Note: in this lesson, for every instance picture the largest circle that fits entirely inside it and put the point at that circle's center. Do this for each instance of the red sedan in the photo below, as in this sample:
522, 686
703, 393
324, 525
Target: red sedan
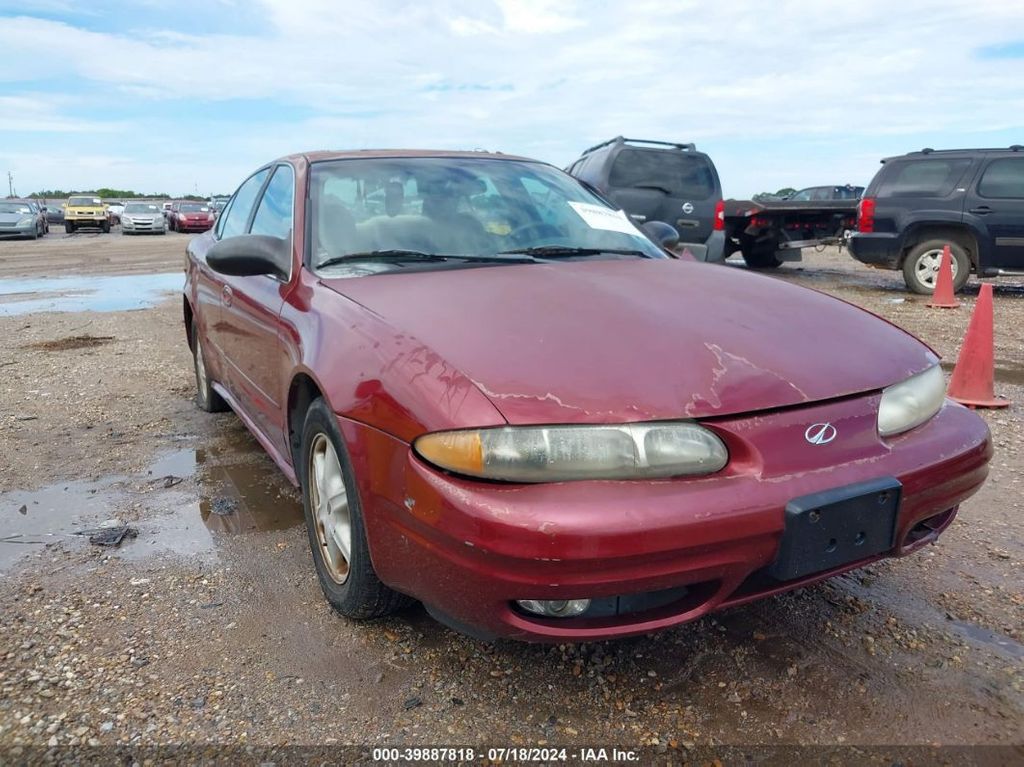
190, 217
500, 398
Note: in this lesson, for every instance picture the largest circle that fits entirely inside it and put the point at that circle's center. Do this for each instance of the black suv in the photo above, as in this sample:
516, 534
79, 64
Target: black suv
660, 181
970, 199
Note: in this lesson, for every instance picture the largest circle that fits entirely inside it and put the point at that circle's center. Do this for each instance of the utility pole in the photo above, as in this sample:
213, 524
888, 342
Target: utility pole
10, 184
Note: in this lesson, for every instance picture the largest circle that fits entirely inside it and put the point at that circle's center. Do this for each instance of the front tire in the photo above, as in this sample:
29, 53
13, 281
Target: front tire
206, 397
106, 227
921, 266
334, 522
69, 228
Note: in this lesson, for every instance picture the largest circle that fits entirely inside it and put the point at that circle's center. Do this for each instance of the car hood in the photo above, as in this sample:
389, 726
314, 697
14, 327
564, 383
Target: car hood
630, 340
13, 218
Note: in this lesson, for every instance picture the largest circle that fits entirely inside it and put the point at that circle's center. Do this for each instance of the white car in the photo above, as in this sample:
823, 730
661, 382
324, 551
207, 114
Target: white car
143, 218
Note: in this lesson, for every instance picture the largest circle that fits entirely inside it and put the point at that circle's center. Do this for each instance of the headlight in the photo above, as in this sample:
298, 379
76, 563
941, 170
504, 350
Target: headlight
561, 453
27, 221
912, 402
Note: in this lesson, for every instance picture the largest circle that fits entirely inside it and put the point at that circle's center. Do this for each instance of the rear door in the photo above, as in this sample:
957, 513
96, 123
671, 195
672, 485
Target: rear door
998, 202
212, 285
674, 186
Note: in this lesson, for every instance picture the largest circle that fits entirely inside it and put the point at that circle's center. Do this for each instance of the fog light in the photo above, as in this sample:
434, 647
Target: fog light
555, 608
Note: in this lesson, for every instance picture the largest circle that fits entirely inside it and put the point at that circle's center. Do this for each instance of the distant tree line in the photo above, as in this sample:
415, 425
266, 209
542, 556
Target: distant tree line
784, 192
117, 194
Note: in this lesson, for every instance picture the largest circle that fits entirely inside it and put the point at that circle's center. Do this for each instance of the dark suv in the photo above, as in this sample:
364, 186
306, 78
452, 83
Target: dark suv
660, 181
970, 199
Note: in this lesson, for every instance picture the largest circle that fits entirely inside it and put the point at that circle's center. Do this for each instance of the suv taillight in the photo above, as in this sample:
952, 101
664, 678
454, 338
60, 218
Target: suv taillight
866, 215
719, 216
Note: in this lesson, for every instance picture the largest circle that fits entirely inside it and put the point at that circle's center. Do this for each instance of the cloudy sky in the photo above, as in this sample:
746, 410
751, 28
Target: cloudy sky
185, 96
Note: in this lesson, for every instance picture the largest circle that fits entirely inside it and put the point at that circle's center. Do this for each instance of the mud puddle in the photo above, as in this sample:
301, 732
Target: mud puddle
87, 293
188, 502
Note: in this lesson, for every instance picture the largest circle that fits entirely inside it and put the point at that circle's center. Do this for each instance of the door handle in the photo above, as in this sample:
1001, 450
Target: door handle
981, 210
226, 295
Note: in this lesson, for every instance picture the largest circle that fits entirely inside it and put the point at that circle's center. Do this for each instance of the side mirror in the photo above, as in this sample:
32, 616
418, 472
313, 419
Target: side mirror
661, 234
251, 254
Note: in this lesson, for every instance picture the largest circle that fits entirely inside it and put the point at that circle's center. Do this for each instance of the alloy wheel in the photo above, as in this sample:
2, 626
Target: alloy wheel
927, 267
329, 503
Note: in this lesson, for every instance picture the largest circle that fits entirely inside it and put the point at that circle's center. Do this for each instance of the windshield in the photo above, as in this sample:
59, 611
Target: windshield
460, 207
14, 207
142, 207
193, 207
84, 202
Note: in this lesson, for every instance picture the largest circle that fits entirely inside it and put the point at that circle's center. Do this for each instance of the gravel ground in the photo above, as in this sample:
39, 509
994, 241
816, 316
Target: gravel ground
209, 627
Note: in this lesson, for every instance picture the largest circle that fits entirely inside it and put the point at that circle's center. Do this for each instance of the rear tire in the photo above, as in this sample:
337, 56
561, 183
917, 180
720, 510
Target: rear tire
921, 266
757, 258
206, 397
334, 520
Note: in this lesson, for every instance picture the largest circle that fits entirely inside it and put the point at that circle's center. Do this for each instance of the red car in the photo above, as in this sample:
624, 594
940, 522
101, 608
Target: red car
190, 217
501, 399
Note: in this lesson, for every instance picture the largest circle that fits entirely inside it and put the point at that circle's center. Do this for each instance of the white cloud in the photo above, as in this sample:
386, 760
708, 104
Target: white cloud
772, 90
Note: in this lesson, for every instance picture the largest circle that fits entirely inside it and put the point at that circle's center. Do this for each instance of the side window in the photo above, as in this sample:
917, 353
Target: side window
923, 178
274, 214
237, 214
586, 168
1003, 179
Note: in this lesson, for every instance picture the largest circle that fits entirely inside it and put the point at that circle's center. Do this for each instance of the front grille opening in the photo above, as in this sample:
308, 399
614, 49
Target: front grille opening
645, 605
928, 528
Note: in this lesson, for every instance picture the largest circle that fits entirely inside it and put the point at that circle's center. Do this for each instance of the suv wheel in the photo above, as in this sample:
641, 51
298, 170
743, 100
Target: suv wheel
921, 266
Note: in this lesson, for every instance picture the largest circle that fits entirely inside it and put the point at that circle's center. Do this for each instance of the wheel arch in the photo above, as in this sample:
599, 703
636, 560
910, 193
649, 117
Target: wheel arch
959, 233
189, 317
302, 392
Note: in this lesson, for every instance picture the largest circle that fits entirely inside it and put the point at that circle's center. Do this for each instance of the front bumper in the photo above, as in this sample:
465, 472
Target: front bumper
468, 549
194, 226
18, 231
98, 221
142, 226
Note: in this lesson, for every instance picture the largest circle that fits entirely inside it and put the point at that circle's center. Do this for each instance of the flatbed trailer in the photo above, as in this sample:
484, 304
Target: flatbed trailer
770, 232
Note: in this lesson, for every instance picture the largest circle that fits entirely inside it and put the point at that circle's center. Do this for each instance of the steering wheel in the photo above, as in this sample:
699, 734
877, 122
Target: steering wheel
536, 228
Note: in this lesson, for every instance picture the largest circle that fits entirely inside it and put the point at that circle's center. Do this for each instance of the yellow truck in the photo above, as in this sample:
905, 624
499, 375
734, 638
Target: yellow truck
85, 210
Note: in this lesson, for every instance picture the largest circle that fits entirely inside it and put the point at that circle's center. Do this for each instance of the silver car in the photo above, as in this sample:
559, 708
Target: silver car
21, 218
143, 218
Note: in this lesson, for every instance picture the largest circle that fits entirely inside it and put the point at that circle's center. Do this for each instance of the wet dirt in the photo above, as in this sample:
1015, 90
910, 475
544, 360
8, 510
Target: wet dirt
173, 504
91, 253
71, 342
210, 627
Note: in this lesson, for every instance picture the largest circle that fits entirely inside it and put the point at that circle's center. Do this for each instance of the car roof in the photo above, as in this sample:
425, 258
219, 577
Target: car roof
928, 151
350, 154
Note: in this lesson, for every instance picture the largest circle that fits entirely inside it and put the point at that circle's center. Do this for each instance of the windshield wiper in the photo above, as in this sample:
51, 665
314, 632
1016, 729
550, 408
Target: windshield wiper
398, 255
549, 251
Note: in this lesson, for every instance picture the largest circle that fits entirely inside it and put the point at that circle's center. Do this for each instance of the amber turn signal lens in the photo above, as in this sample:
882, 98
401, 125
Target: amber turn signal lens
458, 451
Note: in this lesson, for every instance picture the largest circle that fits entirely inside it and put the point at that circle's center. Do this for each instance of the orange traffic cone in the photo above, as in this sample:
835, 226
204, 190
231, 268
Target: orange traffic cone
972, 380
942, 296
